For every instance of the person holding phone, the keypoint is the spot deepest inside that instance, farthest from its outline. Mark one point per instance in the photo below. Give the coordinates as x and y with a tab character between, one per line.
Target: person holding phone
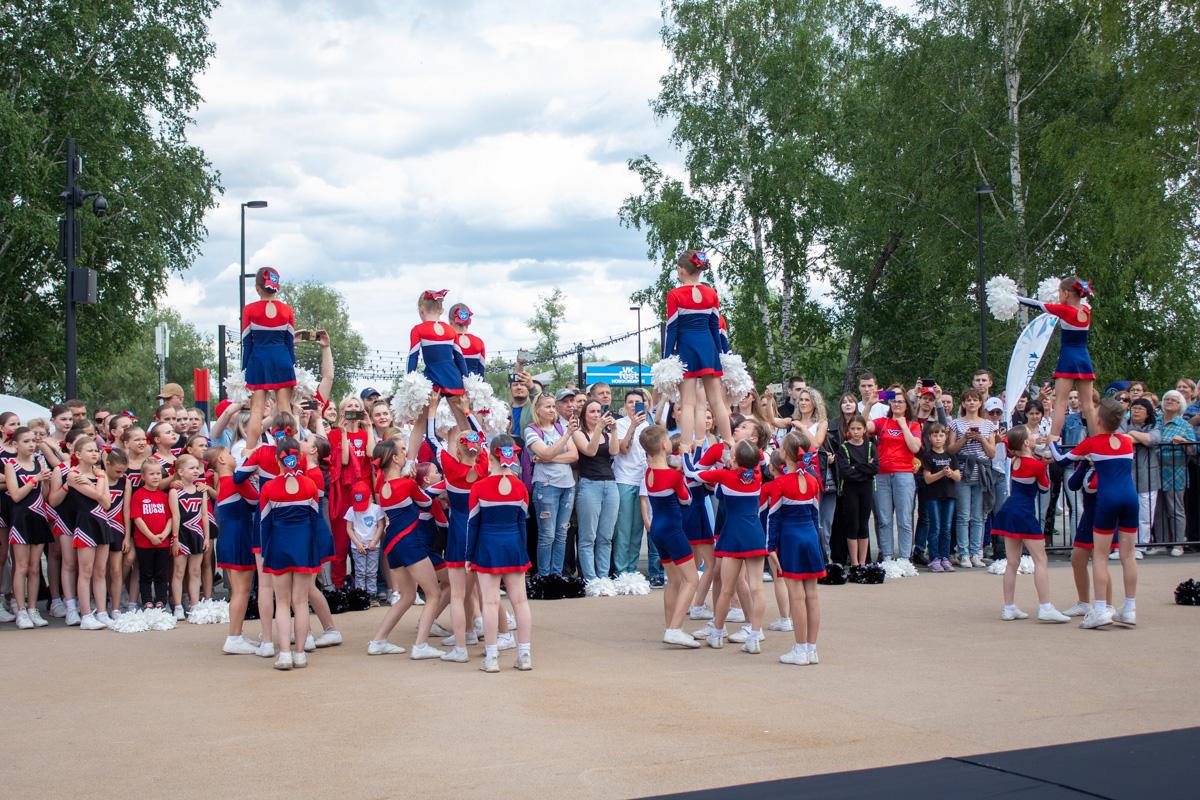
549	439
598	498
898	438
351	443
973	440
629	465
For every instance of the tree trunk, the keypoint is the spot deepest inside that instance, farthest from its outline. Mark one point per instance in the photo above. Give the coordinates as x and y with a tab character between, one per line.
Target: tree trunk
868	297
785	318
1015	27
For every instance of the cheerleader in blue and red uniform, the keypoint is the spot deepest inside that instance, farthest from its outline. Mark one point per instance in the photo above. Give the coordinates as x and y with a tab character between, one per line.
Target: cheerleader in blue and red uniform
792	529
268	349
471	346
1074	368
496	550
402	500
435	344
236	503
1083	483
1017	521
290	530
694	334
1111	454
27	479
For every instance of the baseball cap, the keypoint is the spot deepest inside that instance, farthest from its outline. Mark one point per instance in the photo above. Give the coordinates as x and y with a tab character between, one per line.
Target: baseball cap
365	393
993	404
928	390
221	406
170	390
361	496
563	394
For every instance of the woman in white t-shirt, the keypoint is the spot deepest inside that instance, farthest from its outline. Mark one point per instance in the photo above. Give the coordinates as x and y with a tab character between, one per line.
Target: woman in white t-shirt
550	441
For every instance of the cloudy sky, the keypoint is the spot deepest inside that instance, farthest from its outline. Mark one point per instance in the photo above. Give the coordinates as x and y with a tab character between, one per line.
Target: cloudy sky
475	146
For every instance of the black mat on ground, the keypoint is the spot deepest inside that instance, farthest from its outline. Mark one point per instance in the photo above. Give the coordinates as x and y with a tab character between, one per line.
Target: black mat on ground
1162	764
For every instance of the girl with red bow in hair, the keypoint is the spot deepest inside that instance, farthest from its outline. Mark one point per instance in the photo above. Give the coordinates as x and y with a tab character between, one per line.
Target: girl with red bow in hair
351	442
435	344
473	352
268	349
1074	368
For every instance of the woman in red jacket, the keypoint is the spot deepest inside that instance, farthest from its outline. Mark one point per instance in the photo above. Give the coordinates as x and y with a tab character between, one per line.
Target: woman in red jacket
351	441
898	437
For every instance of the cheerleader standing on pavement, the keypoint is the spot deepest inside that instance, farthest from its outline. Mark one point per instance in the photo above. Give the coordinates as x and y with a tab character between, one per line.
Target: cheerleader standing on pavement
290	530
9	422
268	350
136	447
88	485
115	531
1074	368
236	503
435	344
59	511
471	346
402	501
693	334
1083	483
1018	522
793	528
190	528
778	468
27	480
197	446
499	505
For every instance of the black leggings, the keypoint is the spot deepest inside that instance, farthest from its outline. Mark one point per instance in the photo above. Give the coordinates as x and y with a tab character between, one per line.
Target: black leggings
852	515
154	572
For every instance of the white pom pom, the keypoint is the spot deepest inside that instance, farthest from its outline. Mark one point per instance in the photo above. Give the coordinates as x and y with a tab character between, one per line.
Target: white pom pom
306	381
235	387
997	567
666	376
736	379
209	612
1047	290
445	418
479	392
600	587
412	393
152	619
893	569
1002	297
632	583
495	419
1026	566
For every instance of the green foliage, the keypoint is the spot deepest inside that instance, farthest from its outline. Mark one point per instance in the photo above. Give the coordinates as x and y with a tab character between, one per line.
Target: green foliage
318	307
549	314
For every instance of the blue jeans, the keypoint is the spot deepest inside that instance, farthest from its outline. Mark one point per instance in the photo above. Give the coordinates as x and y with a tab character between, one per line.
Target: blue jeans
895	493
596	509
940	511
554	517
921	541
968	508
654	566
825	515
627	535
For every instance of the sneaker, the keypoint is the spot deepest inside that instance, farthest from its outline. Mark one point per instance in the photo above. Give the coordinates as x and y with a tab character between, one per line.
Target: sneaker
23	620
946	566
812	656
130	608
977	562
73	617
472	638
383	648
505	641
38	620
58	608
799	658
1052	615
179	615
658	582
490	664
265	650
741	635
106	619
524	662
767	577
1126	617
418	600
1097	619
425	650
393	598
284	662
238	646
310	644
965	562
1115	555
781	624
920	560
680	638
705	632
89	623
436	629
735	615
510	619
6	615
1155	551
477	629
330	638
1078	610
1176	552
299	660
716	639
753	645
457	655
700	612
1139	554
1015	613
936	565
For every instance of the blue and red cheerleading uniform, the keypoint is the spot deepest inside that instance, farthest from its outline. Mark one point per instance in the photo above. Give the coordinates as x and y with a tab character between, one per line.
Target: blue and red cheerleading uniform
431	527
191	522
290	525
1074	361
1111	455
696	524
499	505
741	534
29	522
792	525
88	525
473	352
268	345
693	329
403	501
236	504
436	345
1018	517
667	493
460	479
1083	480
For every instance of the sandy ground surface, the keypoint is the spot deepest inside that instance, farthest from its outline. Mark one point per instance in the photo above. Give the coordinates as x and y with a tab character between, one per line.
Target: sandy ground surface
910	671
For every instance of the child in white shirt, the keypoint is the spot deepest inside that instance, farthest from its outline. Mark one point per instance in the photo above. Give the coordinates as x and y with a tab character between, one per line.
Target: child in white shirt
367	523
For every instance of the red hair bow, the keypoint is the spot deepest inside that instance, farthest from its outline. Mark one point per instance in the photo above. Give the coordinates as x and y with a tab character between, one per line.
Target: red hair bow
699	259
430	294
376	463
1084	288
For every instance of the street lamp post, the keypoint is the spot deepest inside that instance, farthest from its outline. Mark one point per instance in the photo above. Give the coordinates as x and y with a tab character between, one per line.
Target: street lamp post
638	309
980	191
242	273
80	283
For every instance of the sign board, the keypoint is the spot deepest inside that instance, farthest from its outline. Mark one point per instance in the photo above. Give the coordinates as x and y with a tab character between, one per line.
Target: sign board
618	375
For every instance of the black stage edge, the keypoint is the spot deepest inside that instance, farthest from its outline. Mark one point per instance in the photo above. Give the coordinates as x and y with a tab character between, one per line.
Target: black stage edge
1149	765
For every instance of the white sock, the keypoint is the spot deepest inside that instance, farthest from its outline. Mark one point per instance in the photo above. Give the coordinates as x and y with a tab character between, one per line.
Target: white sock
73	604
1010	607
1100	605
811	647
522	648
799	648
1130	604
1045	606
461	651
757	634
491	650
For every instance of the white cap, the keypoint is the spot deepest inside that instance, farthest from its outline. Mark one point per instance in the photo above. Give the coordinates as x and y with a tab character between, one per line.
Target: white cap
993	404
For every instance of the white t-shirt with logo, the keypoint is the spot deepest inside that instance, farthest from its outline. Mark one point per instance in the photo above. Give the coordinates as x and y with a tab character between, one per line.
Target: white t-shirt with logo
362	523
630	467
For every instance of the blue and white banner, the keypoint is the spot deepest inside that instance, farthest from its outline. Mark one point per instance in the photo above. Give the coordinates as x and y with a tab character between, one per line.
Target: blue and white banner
618	375
1027	354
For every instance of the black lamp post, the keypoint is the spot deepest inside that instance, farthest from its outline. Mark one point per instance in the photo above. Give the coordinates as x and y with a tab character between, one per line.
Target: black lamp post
638	309
242	274
80	283
980	191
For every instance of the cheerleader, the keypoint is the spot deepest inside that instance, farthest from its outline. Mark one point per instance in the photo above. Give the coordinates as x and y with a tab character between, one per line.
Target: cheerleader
496	552
236	503
697	526
197	447
27	479
1074	368
114	526
162	440
740	541
136	447
1017	521
150	519
793	531
693	334
189	530
9	422
88	486
290	535
667	494
1083	483
777	466
268	349
61	563
1116	513
471	346
434	343
401	499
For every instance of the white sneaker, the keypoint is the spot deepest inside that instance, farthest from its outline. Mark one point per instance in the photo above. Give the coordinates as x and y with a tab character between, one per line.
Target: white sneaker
265	650
6	615
812	656
130	608
436	629
238	646
58	608
105	618
490	664
38	620
418	600
1008	615
477	628
1176	551
767	577
73	617
781	624
716	639
451	641
425	650
310	644
383	648
735	615
23	620
977	562
393	598
300	660
1053	615
457	655
524	662
741	635
1139	554
793	657
1126	617
1078	610
330	638
705	632
965	563
284	662
179	615
504	641
90	623
700	612
1115	555
753	645
678	637
510	619
1097	619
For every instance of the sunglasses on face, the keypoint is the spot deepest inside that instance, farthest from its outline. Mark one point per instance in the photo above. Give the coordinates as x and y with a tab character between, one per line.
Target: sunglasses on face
1123	399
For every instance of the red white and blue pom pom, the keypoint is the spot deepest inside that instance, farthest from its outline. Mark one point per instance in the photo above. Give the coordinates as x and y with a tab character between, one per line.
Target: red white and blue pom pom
412	395
1002	297
735	377
666	376
235	387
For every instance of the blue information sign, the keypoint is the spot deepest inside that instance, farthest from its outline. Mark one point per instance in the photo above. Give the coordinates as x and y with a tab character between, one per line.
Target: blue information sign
618	374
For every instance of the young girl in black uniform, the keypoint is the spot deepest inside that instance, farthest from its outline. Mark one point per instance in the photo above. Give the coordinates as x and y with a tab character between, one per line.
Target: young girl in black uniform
189	523
87	488
114	519
27	480
136	447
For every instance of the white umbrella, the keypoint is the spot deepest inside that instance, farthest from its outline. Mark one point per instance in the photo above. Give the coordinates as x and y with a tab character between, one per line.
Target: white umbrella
25	409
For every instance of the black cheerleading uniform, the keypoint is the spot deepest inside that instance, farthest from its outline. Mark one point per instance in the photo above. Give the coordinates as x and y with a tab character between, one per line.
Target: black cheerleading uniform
86	521
191	522
29	523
